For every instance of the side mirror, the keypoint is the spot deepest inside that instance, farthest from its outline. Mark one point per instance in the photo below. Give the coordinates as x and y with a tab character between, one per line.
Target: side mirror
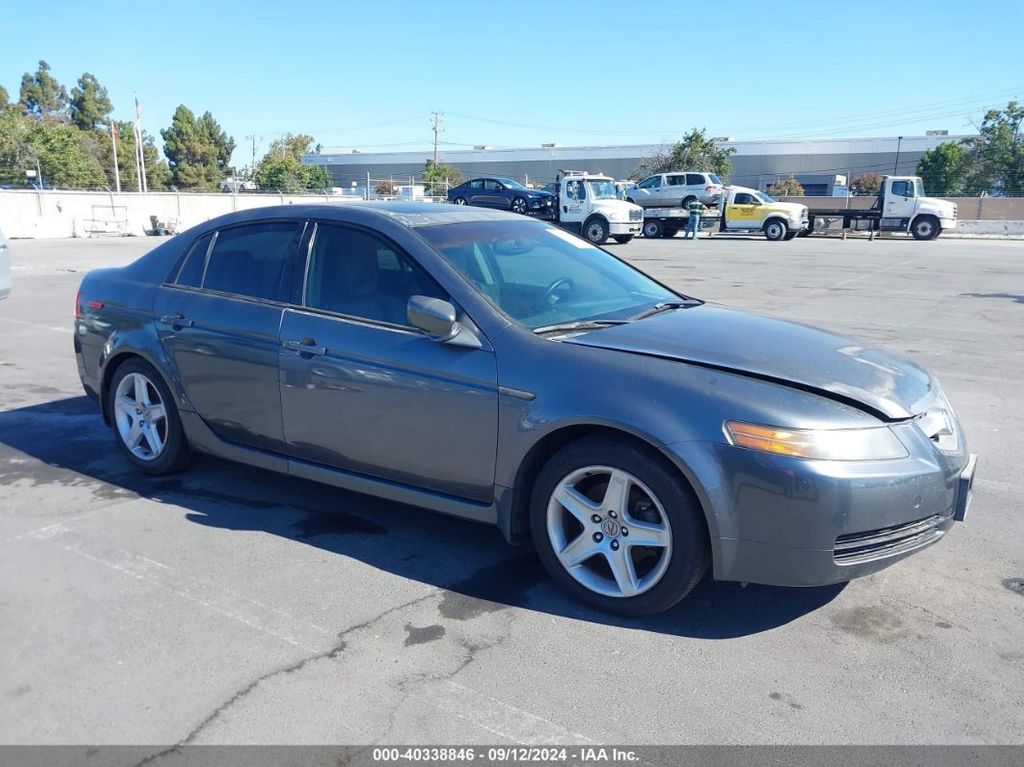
437	318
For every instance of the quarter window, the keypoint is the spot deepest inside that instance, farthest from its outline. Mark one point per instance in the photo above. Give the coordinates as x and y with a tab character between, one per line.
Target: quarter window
694	179
252	260
359	274
191	273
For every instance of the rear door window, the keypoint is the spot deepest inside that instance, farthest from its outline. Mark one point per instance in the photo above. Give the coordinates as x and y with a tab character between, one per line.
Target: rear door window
252	260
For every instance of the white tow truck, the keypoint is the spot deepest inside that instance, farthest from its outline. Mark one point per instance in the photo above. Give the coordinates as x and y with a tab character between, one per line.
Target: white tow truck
589	205
901	206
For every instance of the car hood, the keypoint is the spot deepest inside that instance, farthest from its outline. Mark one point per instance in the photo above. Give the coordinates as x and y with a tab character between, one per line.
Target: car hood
783	352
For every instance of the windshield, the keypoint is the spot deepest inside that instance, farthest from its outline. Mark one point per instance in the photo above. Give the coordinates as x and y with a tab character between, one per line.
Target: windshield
603	190
764	198
511	184
539	275
918	188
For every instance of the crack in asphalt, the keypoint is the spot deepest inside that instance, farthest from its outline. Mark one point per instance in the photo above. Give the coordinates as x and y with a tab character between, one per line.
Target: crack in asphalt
329	654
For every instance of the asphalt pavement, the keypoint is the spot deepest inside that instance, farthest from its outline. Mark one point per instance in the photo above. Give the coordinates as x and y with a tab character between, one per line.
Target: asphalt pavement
231	605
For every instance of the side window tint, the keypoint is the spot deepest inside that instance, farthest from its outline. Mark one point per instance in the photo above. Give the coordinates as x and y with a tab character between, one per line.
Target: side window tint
476	184
252	260
648	183
694	179
902	189
358	274
678	180
743	199
191	273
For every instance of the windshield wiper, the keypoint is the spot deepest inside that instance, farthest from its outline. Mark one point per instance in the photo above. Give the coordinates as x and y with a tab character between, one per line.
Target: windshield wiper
563	327
664	306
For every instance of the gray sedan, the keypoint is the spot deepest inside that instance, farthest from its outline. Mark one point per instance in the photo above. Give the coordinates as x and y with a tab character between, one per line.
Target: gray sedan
496	368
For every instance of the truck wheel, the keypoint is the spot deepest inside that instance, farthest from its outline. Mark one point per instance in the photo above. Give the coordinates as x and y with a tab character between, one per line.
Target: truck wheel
652	230
668	232
622	239
925	228
775	230
595	230
519	206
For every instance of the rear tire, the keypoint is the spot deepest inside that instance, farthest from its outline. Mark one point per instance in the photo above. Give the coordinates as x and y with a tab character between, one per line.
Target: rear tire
790	235
460	200
775	230
925	228
687	200
145	420
622	239
611	571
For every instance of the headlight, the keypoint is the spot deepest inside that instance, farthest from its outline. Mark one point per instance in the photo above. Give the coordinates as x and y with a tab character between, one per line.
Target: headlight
872	444
938	426
536	204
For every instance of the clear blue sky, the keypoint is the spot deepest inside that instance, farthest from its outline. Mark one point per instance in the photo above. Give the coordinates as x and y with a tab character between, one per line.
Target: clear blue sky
519	73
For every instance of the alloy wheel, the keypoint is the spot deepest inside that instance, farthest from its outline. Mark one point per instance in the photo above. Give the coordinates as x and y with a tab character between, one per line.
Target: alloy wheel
609	531
519	205
140	416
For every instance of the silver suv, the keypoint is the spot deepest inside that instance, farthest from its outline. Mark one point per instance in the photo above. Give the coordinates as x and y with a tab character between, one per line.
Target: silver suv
676	189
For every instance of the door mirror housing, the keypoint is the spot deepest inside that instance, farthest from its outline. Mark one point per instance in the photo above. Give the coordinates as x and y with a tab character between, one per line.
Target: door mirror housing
439	320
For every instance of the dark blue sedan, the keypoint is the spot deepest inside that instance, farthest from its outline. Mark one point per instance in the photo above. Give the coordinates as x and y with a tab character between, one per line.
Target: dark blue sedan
503	194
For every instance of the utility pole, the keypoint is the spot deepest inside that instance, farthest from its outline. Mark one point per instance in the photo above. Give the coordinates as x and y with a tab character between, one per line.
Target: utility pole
252	168
438	129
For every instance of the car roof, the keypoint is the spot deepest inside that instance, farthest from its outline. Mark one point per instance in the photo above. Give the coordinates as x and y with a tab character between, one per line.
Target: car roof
411	214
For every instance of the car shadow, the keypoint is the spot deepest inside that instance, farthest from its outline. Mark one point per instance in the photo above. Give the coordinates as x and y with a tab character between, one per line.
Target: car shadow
474	566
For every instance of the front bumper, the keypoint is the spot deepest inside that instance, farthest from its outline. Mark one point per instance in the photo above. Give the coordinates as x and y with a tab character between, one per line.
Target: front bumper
947	223
620	227
785	521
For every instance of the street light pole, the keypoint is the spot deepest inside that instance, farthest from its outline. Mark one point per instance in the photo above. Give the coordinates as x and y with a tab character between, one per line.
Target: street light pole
896	165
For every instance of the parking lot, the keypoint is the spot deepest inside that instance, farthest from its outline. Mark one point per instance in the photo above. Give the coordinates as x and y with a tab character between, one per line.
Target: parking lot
230	605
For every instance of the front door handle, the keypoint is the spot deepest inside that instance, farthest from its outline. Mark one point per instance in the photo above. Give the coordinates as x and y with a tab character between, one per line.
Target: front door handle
176	320
306	346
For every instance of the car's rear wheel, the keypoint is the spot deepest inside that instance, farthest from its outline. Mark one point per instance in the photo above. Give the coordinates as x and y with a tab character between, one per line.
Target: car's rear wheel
687	200
617	527
460	200
145	420
519	206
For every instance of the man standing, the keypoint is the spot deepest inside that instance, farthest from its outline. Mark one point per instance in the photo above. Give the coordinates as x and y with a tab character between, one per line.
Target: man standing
694	208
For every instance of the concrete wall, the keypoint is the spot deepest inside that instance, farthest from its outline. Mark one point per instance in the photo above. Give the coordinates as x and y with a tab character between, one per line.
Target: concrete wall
26	213
968	208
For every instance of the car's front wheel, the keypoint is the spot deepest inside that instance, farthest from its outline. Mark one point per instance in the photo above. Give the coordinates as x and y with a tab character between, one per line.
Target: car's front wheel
519	206
618	528
145	420
595	230
776	230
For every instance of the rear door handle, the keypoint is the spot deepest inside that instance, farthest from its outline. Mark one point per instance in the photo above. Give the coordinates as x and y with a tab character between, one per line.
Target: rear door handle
176	320
306	346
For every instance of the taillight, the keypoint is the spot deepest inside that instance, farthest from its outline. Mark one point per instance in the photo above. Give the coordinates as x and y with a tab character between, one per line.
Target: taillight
709	188
78	304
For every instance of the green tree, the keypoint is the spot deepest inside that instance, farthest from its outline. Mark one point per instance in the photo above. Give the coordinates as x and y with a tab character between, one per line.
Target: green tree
786	187
197	149
866	184
282	168
695	152
41	95
996	154
64	156
158	175
90	103
437	175
944	169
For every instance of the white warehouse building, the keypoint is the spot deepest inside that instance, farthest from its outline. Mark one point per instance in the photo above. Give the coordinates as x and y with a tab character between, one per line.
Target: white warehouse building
820	165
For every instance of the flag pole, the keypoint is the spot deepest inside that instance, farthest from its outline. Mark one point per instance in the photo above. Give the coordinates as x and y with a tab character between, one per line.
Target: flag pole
113	142
138	145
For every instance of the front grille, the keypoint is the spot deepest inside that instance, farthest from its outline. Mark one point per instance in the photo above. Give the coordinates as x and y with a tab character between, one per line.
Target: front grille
855	548
636	215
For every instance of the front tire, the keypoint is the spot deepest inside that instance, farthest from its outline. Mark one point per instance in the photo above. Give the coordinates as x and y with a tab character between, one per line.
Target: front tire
144	419
595	230
776	230
617	527
519	206
622	239
925	228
